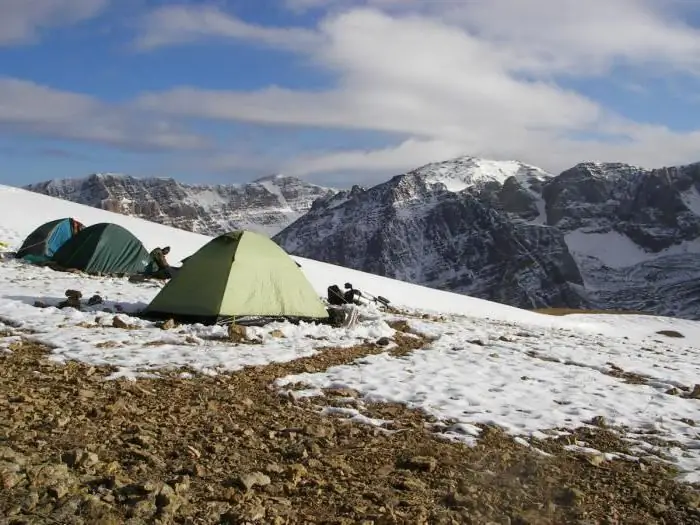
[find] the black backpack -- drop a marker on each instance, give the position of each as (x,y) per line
(335,295)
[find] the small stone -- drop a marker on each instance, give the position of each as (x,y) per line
(95,299)
(599,421)
(142,509)
(118,322)
(423,463)
(695,394)
(383,341)
(39,304)
(74,294)
(57,491)
(168,325)
(277,333)
(296,472)
(73,457)
(237,333)
(596,459)
(166,497)
(253,479)
(274,468)
(570,496)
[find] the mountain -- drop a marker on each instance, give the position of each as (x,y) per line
(608,236)
(266,205)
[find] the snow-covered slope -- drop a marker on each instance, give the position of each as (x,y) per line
(597,235)
(531,374)
(266,205)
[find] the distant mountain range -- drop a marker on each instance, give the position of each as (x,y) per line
(604,236)
(599,235)
(266,205)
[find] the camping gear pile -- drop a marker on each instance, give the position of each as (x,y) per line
(240,277)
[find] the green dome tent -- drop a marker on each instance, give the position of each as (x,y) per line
(236,276)
(103,248)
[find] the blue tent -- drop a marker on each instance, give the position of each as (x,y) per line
(42,243)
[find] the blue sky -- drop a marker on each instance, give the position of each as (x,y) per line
(342,91)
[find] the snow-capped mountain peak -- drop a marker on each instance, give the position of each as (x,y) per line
(465,172)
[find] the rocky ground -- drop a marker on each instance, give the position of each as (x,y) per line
(76,449)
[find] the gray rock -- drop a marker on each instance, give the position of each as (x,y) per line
(253,479)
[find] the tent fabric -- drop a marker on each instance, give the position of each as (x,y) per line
(42,243)
(238,274)
(103,248)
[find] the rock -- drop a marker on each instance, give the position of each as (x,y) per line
(421,463)
(695,394)
(118,322)
(74,294)
(71,302)
(97,511)
(39,304)
(168,325)
(237,333)
(383,341)
(318,431)
(253,479)
(143,509)
(181,484)
(94,300)
(671,333)
(274,468)
(58,490)
(47,474)
(277,333)
(595,459)
(296,472)
(599,421)
(166,498)
(569,496)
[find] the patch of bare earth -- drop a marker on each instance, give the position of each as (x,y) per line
(76,449)
(570,311)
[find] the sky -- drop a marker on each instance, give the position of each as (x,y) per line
(342,92)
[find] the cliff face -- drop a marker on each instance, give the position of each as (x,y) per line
(608,236)
(267,205)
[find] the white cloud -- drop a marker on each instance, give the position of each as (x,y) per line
(448,78)
(181,24)
(443,78)
(21,20)
(26,107)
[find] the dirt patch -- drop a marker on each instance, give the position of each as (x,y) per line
(671,333)
(627,377)
(76,449)
(570,311)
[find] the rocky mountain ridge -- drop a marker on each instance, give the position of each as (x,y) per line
(266,205)
(608,236)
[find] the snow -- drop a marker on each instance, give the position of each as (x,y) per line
(616,250)
(691,199)
(530,381)
(464,172)
(528,373)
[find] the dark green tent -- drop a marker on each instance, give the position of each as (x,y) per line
(103,248)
